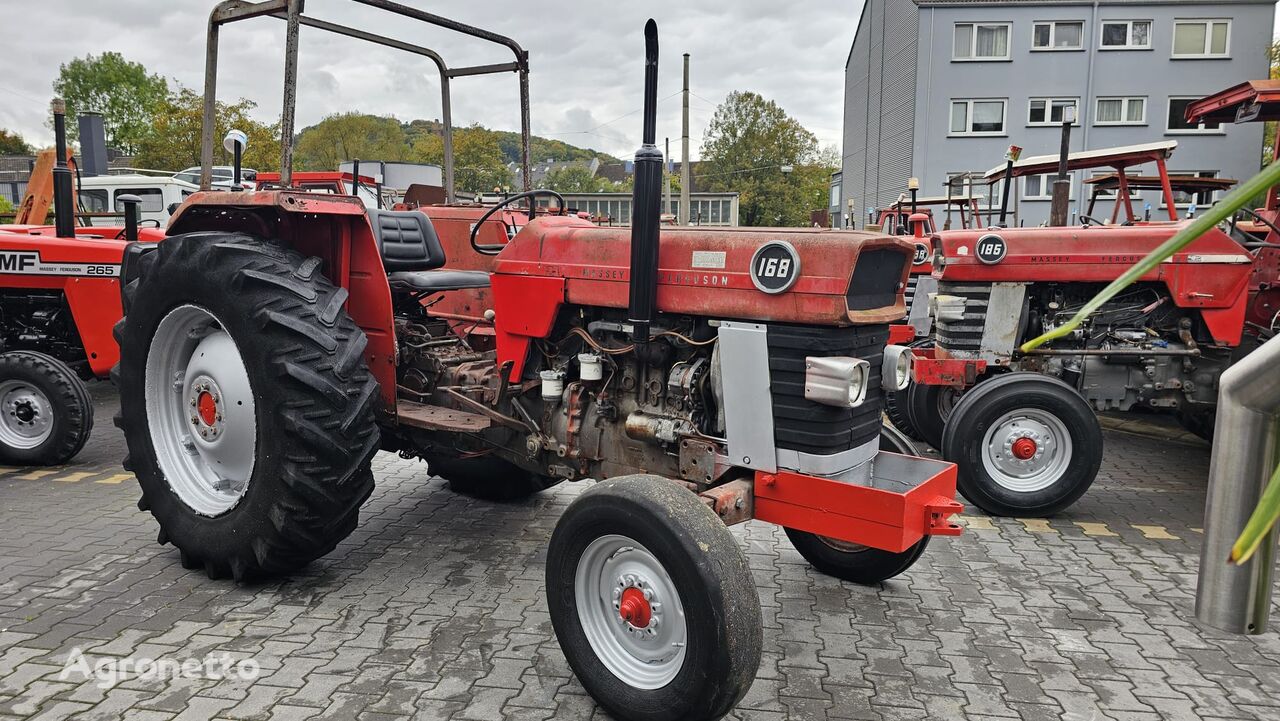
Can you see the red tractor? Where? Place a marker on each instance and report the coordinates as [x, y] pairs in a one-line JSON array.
[[59, 296], [275, 340], [1021, 426]]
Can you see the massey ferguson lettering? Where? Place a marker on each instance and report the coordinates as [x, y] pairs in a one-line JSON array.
[[28, 262]]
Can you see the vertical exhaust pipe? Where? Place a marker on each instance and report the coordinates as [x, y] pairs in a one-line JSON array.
[[645, 198], [63, 202]]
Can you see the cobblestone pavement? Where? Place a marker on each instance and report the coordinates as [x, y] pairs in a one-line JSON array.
[[434, 609]]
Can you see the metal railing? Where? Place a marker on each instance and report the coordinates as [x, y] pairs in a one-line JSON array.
[[1246, 448]]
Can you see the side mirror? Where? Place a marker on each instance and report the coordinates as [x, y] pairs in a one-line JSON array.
[[132, 207]]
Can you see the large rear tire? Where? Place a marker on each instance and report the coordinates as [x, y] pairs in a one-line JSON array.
[[245, 402], [1025, 444], [854, 562], [652, 601], [489, 478], [46, 413]]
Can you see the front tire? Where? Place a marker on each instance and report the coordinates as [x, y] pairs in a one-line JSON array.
[[652, 601], [245, 402], [854, 562], [929, 408], [1025, 444], [489, 479], [46, 413]]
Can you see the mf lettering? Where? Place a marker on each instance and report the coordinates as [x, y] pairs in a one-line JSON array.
[[10, 261]]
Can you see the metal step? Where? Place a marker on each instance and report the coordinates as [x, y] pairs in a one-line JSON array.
[[439, 418]]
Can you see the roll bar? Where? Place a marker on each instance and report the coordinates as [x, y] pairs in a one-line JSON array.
[[291, 11]]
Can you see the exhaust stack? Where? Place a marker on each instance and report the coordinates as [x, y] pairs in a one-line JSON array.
[[63, 202], [645, 198]]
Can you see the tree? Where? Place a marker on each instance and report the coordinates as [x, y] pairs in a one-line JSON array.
[[347, 136], [576, 179], [478, 165], [753, 147], [173, 143], [5, 207], [1269, 128], [12, 144], [125, 94]]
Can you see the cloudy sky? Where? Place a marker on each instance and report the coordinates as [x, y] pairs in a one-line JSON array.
[[586, 61]]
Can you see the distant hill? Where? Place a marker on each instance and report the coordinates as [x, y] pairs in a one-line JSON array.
[[540, 149]]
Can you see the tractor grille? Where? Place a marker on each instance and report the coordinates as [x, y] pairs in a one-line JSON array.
[[802, 425], [913, 280], [876, 276], [964, 335]]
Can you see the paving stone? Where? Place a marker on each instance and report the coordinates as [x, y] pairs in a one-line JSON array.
[[434, 609]]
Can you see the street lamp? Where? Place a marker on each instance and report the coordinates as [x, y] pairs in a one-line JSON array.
[[786, 169]]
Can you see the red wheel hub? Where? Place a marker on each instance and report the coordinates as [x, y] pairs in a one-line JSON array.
[[1024, 449], [634, 609], [207, 407]]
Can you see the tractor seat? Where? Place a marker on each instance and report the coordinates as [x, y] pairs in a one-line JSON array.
[[434, 281], [411, 253]]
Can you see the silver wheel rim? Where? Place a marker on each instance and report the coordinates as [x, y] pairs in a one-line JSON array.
[[644, 657], [1026, 450], [26, 415], [200, 410]]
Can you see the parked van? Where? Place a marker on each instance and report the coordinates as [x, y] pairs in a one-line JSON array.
[[98, 195]]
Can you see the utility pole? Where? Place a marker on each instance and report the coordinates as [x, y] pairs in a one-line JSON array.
[[666, 179], [684, 151], [1062, 186]]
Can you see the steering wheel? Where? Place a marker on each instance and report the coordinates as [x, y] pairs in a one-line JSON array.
[[1087, 220], [1254, 214], [533, 209]]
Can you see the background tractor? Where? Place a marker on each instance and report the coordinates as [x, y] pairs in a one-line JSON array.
[[275, 340], [59, 296], [1022, 426]]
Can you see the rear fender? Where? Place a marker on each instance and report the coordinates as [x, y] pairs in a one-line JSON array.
[[336, 229]]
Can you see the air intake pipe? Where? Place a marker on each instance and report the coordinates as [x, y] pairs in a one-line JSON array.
[[63, 202], [644, 201]]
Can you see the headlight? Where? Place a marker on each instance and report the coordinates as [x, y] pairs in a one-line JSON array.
[[895, 369], [836, 381]]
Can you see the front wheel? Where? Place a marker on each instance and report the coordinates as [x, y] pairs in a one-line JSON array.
[[929, 408], [1025, 444], [246, 403], [46, 413], [489, 479], [652, 601], [854, 562]]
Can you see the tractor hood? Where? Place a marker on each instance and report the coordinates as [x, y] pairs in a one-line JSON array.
[[1210, 272], [788, 275]]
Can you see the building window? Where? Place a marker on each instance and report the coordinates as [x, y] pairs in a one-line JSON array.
[[981, 41], [1058, 35], [1048, 111], [1040, 187], [977, 117], [1121, 111], [1178, 119], [1126, 34], [1202, 199], [1201, 38]]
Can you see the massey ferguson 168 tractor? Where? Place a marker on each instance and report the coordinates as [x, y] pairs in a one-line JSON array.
[[1024, 434], [275, 340], [59, 297]]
